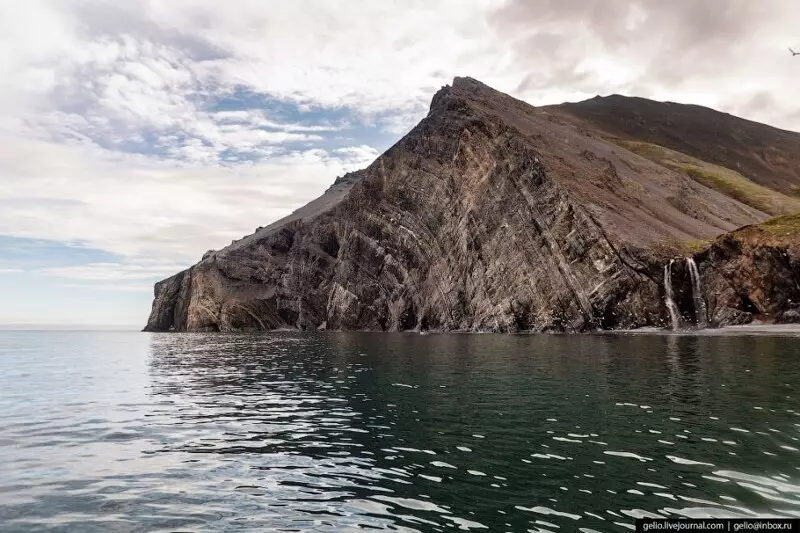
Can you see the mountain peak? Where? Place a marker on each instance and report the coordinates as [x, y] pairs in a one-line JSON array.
[[470, 89], [468, 83], [462, 85]]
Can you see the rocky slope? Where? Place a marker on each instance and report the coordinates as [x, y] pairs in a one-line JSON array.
[[768, 156], [490, 215]]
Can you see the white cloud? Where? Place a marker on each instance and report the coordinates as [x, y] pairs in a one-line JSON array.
[[718, 53], [112, 287], [118, 89], [111, 277], [142, 208], [257, 118], [373, 56], [111, 271], [140, 59]]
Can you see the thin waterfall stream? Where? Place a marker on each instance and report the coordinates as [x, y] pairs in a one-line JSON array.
[[698, 302], [697, 295], [670, 296]]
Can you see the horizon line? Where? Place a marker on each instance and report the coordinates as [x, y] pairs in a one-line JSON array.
[[60, 326]]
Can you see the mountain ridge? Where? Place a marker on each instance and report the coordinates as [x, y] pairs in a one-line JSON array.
[[765, 154]]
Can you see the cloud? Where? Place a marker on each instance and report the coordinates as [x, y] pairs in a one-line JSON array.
[[128, 66], [116, 287], [110, 277], [119, 92], [111, 271], [258, 118], [144, 75], [142, 57], [721, 53], [140, 208]]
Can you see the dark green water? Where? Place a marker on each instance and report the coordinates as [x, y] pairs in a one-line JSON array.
[[357, 432]]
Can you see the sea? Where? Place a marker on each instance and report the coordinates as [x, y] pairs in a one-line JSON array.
[[104, 431]]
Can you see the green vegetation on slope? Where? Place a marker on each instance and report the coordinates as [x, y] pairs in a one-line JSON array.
[[678, 248], [784, 226], [721, 179]]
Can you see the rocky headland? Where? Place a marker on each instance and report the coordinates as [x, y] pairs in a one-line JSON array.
[[494, 215]]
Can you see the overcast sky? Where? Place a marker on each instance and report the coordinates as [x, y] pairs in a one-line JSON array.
[[136, 135]]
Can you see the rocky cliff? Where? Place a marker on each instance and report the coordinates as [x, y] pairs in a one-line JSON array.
[[491, 215], [753, 273]]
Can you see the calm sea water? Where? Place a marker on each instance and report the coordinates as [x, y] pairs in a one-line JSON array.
[[103, 432]]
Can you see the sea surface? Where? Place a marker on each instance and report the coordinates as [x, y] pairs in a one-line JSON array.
[[126, 432]]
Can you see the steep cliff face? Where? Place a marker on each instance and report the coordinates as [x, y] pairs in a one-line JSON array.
[[490, 215]]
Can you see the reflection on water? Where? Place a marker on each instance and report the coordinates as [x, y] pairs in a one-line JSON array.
[[347, 432]]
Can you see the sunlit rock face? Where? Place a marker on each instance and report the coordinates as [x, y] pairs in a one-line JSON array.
[[490, 215]]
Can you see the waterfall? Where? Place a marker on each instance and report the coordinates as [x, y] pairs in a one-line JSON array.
[[697, 295], [673, 309]]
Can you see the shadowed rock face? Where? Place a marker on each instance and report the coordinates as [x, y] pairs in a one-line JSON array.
[[751, 274], [490, 215]]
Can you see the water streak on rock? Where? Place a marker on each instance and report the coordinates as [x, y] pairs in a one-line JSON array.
[[697, 294], [670, 296]]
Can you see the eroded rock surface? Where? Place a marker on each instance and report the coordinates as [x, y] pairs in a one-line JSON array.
[[751, 274]]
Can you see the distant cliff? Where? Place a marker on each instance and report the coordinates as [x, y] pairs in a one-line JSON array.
[[493, 215]]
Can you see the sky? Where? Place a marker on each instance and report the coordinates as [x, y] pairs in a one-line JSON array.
[[136, 135]]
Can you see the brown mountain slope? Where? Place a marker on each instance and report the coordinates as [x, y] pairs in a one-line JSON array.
[[719, 178], [489, 215], [765, 155]]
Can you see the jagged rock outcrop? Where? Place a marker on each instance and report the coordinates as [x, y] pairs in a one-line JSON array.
[[490, 215], [752, 273]]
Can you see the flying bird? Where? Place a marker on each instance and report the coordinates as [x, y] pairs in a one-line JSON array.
[[794, 53]]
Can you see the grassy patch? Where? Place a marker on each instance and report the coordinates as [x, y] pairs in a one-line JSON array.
[[677, 248], [785, 226], [721, 179]]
